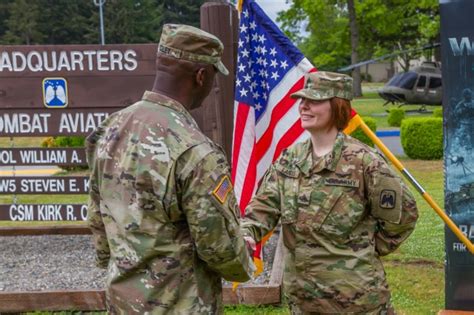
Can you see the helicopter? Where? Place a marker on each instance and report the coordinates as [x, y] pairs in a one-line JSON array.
[[421, 85]]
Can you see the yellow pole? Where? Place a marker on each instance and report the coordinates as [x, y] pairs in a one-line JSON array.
[[452, 226], [239, 5]]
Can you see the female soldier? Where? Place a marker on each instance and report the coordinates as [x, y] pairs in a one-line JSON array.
[[341, 208]]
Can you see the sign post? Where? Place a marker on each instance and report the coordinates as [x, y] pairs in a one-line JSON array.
[[457, 41]]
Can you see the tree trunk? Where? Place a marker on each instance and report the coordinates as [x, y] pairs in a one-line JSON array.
[[354, 45]]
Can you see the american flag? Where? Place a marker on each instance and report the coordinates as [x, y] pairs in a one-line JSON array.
[[266, 120]]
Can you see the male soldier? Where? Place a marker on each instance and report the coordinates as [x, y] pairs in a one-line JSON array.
[[161, 207]]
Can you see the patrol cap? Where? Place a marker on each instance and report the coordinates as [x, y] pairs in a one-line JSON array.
[[193, 44], [323, 85]]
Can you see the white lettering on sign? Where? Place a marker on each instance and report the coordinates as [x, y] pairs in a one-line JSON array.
[[49, 213], [21, 212], [43, 157], [459, 247], [463, 46], [80, 122], [7, 185], [84, 213], [75, 158], [76, 60], [24, 123], [467, 230], [6, 157], [39, 185], [46, 212]]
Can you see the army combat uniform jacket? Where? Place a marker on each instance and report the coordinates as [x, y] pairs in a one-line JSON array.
[[162, 211], [339, 213]]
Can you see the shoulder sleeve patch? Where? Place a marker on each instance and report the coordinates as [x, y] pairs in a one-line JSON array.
[[388, 199], [221, 191]]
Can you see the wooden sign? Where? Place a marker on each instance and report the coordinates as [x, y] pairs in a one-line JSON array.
[[23, 185], [43, 156], [43, 212], [75, 76]]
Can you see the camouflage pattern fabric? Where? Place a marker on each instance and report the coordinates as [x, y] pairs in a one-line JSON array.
[[323, 85], [339, 213], [192, 44], [162, 211]]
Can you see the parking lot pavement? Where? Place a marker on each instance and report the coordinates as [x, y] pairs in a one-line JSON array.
[[391, 139]]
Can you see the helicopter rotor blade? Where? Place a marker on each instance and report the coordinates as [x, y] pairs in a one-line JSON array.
[[362, 63]]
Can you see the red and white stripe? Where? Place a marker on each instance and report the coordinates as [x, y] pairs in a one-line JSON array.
[[257, 144]]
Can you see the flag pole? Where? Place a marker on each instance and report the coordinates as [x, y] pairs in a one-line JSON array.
[[452, 226]]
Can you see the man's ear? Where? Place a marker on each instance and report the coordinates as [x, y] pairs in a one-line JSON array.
[[200, 76]]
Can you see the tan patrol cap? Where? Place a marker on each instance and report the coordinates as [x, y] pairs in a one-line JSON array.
[[323, 85], [193, 44]]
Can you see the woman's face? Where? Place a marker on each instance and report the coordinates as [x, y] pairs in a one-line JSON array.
[[315, 115]]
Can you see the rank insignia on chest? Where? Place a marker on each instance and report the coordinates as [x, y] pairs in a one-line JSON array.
[[387, 199], [222, 189], [332, 181]]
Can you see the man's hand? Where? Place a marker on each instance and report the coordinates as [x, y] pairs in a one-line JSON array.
[[251, 245]]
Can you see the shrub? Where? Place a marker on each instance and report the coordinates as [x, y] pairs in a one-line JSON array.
[[395, 117], [422, 138], [361, 136], [65, 142], [438, 112]]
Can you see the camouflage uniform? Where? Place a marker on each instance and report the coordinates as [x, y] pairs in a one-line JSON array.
[[339, 213], [162, 211]]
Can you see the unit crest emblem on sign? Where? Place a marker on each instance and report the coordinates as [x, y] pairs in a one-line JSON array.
[[55, 92]]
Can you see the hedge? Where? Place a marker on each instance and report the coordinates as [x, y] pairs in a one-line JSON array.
[[422, 138], [395, 117], [65, 142], [438, 112], [361, 136]]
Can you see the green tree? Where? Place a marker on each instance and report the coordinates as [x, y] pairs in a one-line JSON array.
[[77, 22], [180, 11], [4, 14], [66, 22], [128, 21], [383, 26], [22, 23]]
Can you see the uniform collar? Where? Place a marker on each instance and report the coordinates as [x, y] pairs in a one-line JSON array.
[[328, 161], [165, 101]]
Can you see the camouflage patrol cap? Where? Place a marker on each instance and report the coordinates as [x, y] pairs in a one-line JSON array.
[[192, 44], [323, 85]]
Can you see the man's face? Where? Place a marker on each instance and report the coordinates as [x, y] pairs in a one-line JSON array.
[[205, 82]]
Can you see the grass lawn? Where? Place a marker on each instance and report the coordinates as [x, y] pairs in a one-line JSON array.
[[18, 142]]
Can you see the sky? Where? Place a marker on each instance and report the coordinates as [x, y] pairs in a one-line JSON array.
[[272, 7]]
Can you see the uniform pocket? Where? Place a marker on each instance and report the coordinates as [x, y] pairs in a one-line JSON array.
[[341, 214], [288, 228]]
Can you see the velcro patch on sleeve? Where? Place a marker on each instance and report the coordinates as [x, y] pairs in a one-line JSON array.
[[221, 191], [333, 181]]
